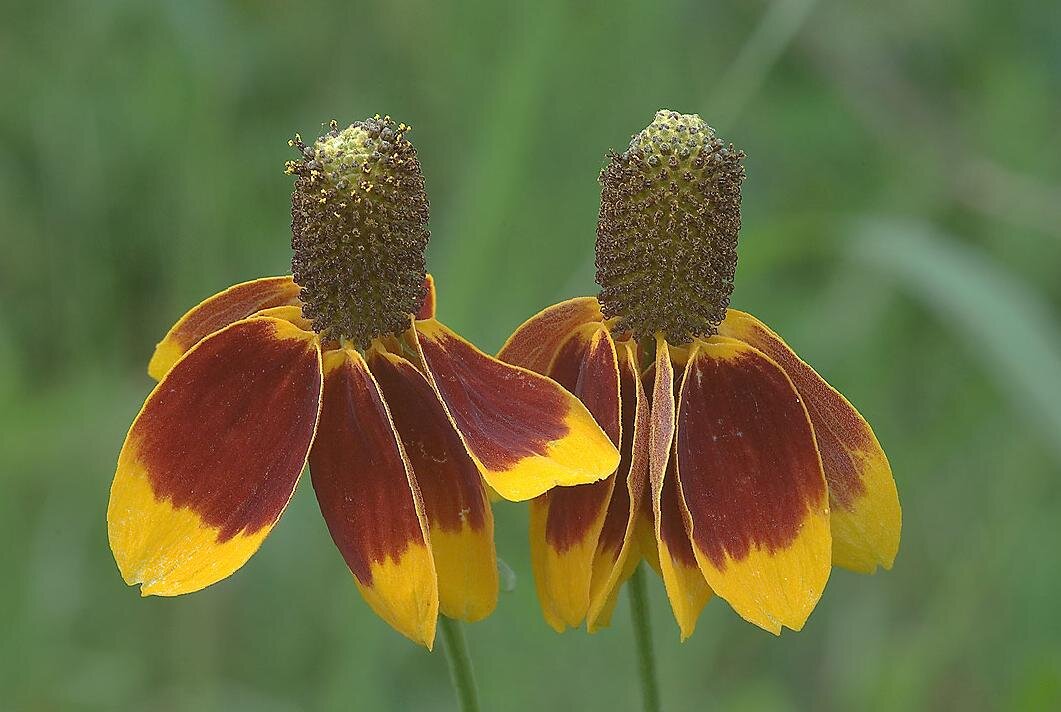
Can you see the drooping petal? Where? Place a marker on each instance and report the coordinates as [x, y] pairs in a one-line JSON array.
[[460, 521], [752, 484], [369, 498], [427, 309], [618, 548], [566, 521], [237, 302], [865, 515], [524, 432], [212, 459], [534, 344], [687, 589]]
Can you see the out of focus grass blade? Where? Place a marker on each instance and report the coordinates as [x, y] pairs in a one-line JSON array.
[[764, 47], [1005, 325], [490, 186]]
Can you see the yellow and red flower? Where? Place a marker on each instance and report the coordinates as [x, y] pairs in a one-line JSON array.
[[399, 418], [750, 472]]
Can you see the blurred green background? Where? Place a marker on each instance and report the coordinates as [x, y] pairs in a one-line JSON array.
[[902, 229]]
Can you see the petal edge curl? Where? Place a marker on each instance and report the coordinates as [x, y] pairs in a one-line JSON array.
[[686, 587], [536, 341], [619, 550], [524, 432]]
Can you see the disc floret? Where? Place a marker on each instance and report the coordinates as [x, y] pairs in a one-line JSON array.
[[667, 230], [359, 214]]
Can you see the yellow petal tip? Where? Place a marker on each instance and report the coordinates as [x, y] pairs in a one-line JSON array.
[[165, 355]]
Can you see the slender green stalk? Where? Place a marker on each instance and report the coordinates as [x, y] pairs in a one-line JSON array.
[[460, 664], [646, 659]]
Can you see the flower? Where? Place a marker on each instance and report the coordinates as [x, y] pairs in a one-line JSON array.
[[342, 364], [744, 473]]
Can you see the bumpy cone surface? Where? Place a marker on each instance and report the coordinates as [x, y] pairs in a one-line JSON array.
[[667, 231], [359, 216]]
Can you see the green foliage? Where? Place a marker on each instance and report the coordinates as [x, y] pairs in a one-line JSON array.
[[142, 148]]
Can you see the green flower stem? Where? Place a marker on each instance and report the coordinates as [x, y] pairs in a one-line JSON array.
[[460, 664], [643, 641]]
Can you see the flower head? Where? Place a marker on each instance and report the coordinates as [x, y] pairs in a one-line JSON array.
[[744, 474], [344, 366]]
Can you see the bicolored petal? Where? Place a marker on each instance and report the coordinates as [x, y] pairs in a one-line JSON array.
[[216, 312], [618, 548], [369, 498], [865, 515], [534, 344], [525, 433], [291, 313], [565, 522], [687, 589], [752, 484], [212, 459], [645, 529], [427, 309], [460, 521]]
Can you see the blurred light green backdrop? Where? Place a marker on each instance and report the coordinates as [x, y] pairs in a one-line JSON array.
[[902, 229]]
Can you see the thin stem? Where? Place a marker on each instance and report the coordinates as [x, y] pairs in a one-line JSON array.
[[643, 640], [460, 664]]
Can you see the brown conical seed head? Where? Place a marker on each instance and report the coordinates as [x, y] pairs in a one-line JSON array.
[[359, 216], [667, 230]]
